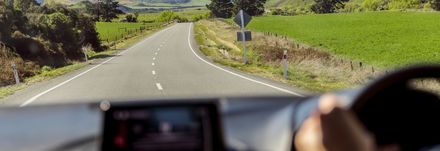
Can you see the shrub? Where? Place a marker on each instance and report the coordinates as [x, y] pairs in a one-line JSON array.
[[327, 6], [375, 5], [130, 18], [436, 5], [350, 7], [403, 4], [167, 16], [427, 7]]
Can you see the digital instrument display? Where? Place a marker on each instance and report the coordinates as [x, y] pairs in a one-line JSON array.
[[172, 127]]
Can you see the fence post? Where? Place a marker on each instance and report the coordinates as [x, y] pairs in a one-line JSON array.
[[351, 65], [14, 70], [285, 64]]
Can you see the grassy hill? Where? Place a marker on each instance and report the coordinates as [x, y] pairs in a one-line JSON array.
[[296, 3], [144, 3], [383, 39]]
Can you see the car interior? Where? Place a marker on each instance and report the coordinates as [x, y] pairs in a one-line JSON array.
[[390, 108]]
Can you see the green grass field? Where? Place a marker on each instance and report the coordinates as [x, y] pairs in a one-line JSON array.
[[115, 30], [383, 39]]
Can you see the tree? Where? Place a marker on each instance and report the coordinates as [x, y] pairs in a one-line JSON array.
[[436, 5], [23, 5], [88, 34], [167, 16], [327, 6], [108, 9], [252, 7], [131, 17], [221, 8]]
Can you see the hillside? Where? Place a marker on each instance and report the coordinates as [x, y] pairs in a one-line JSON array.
[[145, 3], [295, 3]]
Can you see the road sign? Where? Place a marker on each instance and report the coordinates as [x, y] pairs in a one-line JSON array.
[[247, 35], [246, 18]]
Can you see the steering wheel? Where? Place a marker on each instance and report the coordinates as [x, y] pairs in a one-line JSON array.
[[397, 113]]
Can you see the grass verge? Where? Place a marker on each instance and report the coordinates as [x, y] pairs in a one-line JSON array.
[[308, 68]]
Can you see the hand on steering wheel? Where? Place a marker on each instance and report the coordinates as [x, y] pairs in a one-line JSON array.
[[332, 128]]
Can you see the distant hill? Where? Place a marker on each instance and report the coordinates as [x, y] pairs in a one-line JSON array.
[[296, 3], [141, 3]]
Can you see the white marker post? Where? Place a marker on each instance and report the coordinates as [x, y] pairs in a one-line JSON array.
[[85, 56], [243, 35], [285, 64], [14, 69]]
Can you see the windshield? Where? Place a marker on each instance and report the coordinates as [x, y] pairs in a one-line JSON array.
[[57, 52]]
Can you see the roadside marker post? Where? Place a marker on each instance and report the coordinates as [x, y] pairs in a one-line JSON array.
[[285, 64], [14, 69], [85, 56]]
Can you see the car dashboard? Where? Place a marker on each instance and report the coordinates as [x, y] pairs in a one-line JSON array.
[[260, 123]]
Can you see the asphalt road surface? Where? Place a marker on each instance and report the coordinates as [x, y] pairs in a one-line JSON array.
[[165, 65]]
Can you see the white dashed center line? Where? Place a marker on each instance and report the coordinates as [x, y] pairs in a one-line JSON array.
[[155, 53], [152, 64], [159, 86], [153, 72], [154, 58]]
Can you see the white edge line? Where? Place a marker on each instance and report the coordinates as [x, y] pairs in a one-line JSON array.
[[159, 86], [67, 81], [233, 73]]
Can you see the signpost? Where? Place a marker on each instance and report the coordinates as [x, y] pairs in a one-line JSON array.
[[243, 19], [14, 69]]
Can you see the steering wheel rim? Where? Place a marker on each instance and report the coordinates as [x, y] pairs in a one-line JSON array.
[[398, 78]]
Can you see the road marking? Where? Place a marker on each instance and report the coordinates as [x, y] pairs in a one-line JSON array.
[[154, 58], [152, 64], [158, 49], [153, 72], [82, 73], [159, 87], [233, 73], [155, 53]]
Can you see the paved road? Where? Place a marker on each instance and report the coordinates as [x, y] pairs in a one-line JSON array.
[[167, 64]]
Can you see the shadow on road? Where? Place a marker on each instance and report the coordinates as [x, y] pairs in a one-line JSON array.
[[103, 56]]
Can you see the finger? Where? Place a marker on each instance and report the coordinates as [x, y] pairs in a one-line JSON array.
[[340, 128], [309, 136]]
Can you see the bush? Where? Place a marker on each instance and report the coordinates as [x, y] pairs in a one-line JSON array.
[[327, 6], [375, 5], [427, 7], [403, 4], [130, 18], [350, 7], [436, 5], [167, 16]]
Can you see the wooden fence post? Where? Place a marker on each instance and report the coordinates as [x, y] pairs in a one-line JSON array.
[[351, 65]]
